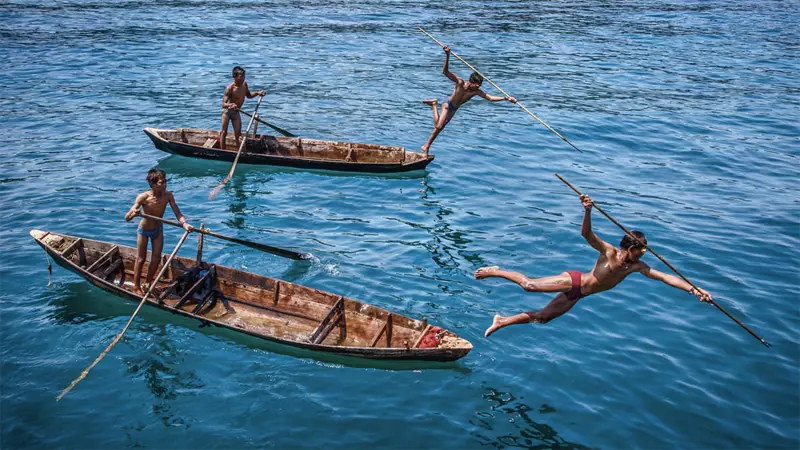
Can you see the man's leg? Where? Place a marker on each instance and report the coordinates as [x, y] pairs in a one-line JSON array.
[[556, 283], [237, 128], [558, 306], [224, 132], [444, 119], [141, 256], [155, 260], [434, 106]]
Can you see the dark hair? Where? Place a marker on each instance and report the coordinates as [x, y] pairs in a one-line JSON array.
[[154, 174], [627, 242], [476, 78], [237, 71]]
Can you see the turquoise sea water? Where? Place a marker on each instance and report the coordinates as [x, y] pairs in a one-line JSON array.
[[687, 113]]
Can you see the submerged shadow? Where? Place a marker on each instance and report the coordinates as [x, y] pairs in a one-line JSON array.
[[508, 423], [195, 167], [78, 303]]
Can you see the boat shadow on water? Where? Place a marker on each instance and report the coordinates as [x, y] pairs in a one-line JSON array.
[[78, 303], [197, 168]]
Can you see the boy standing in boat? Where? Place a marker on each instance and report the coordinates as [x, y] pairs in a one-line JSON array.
[[232, 100], [153, 202], [462, 93], [612, 266]]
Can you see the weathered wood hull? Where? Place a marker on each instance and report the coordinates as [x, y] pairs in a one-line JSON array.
[[263, 307], [291, 152]]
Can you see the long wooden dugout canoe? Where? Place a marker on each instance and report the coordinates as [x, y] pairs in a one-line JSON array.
[[289, 151], [259, 306]]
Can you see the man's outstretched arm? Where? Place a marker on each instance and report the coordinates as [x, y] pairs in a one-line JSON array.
[[675, 282], [496, 98]]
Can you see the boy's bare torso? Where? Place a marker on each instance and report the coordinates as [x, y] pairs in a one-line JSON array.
[[154, 206], [236, 94], [608, 272], [461, 94]]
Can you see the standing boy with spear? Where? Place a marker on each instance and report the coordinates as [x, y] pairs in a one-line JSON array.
[[462, 93]]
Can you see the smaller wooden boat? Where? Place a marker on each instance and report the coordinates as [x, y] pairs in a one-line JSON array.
[[289, 151], [259, 306]]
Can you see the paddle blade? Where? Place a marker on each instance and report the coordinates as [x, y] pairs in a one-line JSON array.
[[216, 190]]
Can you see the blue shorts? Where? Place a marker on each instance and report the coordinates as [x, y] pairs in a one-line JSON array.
[[152, 234]]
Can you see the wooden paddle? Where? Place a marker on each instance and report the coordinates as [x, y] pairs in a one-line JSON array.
[[255, 245], [274, 127], [501, 90], [767, 344], [119, 336], [216, 190]]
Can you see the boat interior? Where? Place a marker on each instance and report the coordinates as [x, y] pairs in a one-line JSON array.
[[255, 304], [294, 147]]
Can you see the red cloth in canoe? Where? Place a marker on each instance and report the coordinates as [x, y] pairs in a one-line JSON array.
[[430, 340]]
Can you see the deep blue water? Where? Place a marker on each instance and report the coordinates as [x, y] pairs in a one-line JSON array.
[[687, 113]]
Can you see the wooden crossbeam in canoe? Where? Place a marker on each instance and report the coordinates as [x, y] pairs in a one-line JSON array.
[[77, 244], [324, 328], [103, 259], [387, 327]]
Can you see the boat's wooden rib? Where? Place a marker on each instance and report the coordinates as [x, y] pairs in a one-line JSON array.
[[333, 318], [267, 308], [291, 152]]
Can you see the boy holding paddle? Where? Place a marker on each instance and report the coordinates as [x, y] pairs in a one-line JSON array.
[[462, 93], [612, 266], [153, 202], [232, 100]]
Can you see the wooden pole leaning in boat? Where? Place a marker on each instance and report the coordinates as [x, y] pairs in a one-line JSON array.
[[255, 245], [216, 190], [502, 91], [766, 344], [274, 127], [119, 336]]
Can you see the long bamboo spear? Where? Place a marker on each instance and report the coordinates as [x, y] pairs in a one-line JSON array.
[[258, 246], [501, 90], [767, 344], [216, 190], [119, 336]]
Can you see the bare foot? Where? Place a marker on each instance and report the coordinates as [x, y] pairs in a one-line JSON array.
[[425, 149], [430, 102], [484, 272], [497, 323]]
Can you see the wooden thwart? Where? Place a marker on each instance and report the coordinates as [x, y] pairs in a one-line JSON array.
[[419, 339], [335, 315], [103, 259], [387, 327]]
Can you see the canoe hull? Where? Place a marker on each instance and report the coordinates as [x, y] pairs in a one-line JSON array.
[[181, 265], [249, 157]]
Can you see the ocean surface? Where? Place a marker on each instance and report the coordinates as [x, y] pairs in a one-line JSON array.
[[687, 114]]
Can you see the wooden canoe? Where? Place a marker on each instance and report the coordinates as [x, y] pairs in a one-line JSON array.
[[259, 306], [289, 151]]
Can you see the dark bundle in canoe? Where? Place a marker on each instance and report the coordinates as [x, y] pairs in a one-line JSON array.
[[289, 151], [259, 306]]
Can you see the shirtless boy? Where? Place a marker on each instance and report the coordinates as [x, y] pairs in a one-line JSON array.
[[612, 266], [463, 91], [232, 100], [152, 202]]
